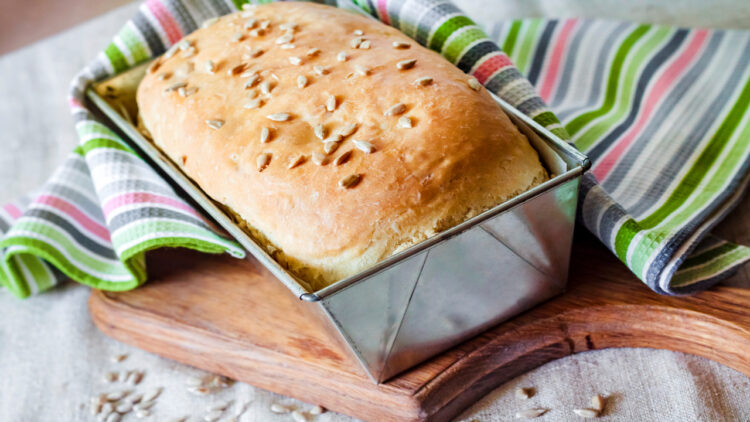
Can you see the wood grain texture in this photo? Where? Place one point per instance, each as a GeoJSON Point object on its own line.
{"type": "Point", "coordinates": [232, 317]}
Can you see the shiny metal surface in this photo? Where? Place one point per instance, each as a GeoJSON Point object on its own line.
{"type": "Point", "coordinates": [445, 289]}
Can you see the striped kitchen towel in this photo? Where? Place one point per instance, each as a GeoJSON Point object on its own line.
{"type": "Point", "coordinates": [623, 91]}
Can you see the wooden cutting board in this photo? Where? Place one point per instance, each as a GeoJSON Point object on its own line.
{"type": "Point", "coordinates": [231, 317]}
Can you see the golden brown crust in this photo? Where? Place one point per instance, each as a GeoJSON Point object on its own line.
{"type": "Point", "coordinates": [461, 156]}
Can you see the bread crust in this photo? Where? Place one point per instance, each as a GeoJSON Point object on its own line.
{"type": "Point", "coordinates": [461, 156]}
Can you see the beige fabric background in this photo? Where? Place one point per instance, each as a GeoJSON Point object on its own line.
{"type": "Point", "coordinates": [52, 358]}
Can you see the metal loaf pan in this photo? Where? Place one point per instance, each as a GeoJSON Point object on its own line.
{"type": "Point", "coordinates": [441, 291]}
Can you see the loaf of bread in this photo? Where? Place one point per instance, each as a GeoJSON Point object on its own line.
{"type": "Point", "coordinates": [337, 140]}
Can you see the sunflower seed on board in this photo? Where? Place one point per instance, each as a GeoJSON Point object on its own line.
{"type": "Point", "coordinates": [586, 413]}
{"type": "Point", "coordinates": [406, 64]}
{"type": "Point", "coordinates": [175, 86]}
{"type": "Point", "coordinates": [423, 81]}
{"type": "Point", "coordinates": [294, 162]}
{"type": "Point", "coordinates": [212, 416]}
{"type": "Point", "coordinates": [404, 123]}
{"type": "Point", "coordinates": [355, 42]}
{"type": "Point", "coordinates": [343, 158]}
{"type": "Point", "coordinates": [96, 404]}
{"type": "Point", "coordinates": [123, 407]}
{"type": "Point", "coordinates": [144, 405]}
{"type": "Point", "coordinates": [201, 391]}
{"type": "Point", "coordinates": [119, 357]}
{"type": "Point", "coordinates": [350, 181]}
{"type": "Point", "coordinates": [296, 61]}
{"type": "Point", "coordinates": [117, 395]}
{"type": "Point", "coordinates": [265, 135]}
{"type": "Point", "coordinates": [320, 70]}
{"type": "Point", "coordinates": [597, 402]}
{"type": "Point", "coordinates": [220, 405]}
{"type": "Point", "coordinates": [279, 117]}
{"type": "Point", "coordinates": [364, 45]}
{"type": "Point", "coordinates": [395, 110]}
{"type": "Point", "coordinates": [341, 56]}
{"type": "Point", "coordinates": [364, 146]}
{"type": "Point", "coordinates": [298, 416]}
{"type": "Point", "coordinates": [287, 46]}
{"type": "Point", "coordinates": [330, 146]}
{"type": "Point", "coordinates": [318, 158]}
{"type": "Point", "coordinates": [331, 103]}
{"type": "Point", "coordinates": [137, 376]}
{"type": "Point", "coordinates": [474, 84]}
{"type": "Point", "coordinates": [301, 81]}
{"type": "Point", "coordinates": [110, 377]}
{"type": "Point", "coordinates": [215, 123]}
{"type": "Point", "coordinates": [113, 417]}
{"type": "Point", "coordinates": [263, 160]}
{"type": "Point", "coordinates": [194, 381]}
{"type": "Point", "coordinates": [135, 398]}
{"type": "Point", "coordinates": [316, 410]}
{"type": "Point", "coordinates": [530, 413]}
{"type": "Point", "coordinates": [208, 22]}
{"type": "Point", "coordinates": [361, 69]}
{"type": "Point", "coordinates": [401, 45]}
{"type": "Point", "coordinates": [523, 393]}
{"type": "Point", "coordinates": [320, 131]}
{"type": "Point", "coordinates": [348, 129]}
{"type": "Point", "coordinates": [312, 52]}
{"type": "Point", "coordinates": [279, 409]}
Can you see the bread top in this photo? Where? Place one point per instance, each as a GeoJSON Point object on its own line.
{"type": "Point", "coordinates": [445, 154]}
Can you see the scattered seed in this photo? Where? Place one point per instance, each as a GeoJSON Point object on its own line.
{"type": "Point", "coordinates": [287, 46]}
{"type": "Point", "coordinates": [404, 123]}
{"type": "Point", "coordinates": [364, 146]}
{"type": "Point", "coordinates": [144, 405]}
{"type": "Point", "coordinates": [134, 399]}
{"type": "Point", "coordinates": [330, 146]}
{"type": "Point", "coordinates": [523, 393]}
{"type": "Point", "coordinates": [355, 42]}
{"type": "Point", "coordinates": [396, 109]}
{"type": "Point", "coordinates": [313, 52]}
{"type": "Point", "coordinates": [251, 82]}
{"type": "Point", "coordinates": [138, 375]}
{"type": "Point", "coordinates": [221, 405]}
{"type": "Point", "coordinates": [215, 123]}
{"type": "Point", "coordinates": [250, 23]}
{"type": "Point", "coordinates": [208, 22]}
{"type": "Point", "coordinates": [256, 32]}
{"type": "Point", "coordinates": [265, 23]}
{"type": "Point", "coordinates": [124, 407]}
{"type": "Point", "coordinates": [279, 117]}
{"type": "Point", "coordinates": [263, 160]}
{"type": "Point", "coordinates": [423, 81]}
{"type": "Point", "coordinates": [320, 70]}
{"type": "Point", "coordinates": [163, 76]}
{"type": "Point", "coordinates": [117, 395]}
{"type": "Point", "coordinates": [237, 69]}
{"type": "Point", "coordinates": [175, 86]}
{"type": "Point", "coordinates": [299, 416]}
{"type": "Point", "coordinates": [597, 402]}
{"type": "Point", "coordinates": [212, 416]}
{"type": "Point", "coordinates": [301, 81]}
{"type": "Point", "coordinates": [279, 409]}
{"type": "Point", "coordinates": [186, 92]}
{"type": "Point", "coordinates": [143, 413]}
{"type": "Point", "coordinates": [586, 413]}
{"type": "Point", "coordinates": [364, 45]}
{"type": "Point", "coordinates": [113, 417]}
{"type": "Point", "coordinates": [342, 57]}
{"type": "Point", "coordinates": [107, 408]}
{"type": "Point", "coordinates": [318, 158]}
{"type": "Point", "coordinates": [296, 61]}
{"type": "Point", "coordinates": [348, 129]}
{"type": "Point", "coordinates": [331, 103]}
{"type": "Point", "coordinates": [194, 381]}
{"type": "Point", "coordinates": [180, 419]}
{"type": "Point", "coordinates": [474, 84]}
{"type": "Point", "coordinates": [255, 52]}
{"type": "Point", "coordinates": [530, 413]}
{"type": "Point", "coordinates": [265, 135]}
{"type": "Point", "coordinates": [265, 87]}
{"type": "Point", "coordinates": [320, 131]}
{"type": "Point", "coordinates": [361, 70]}
{"type": "Point", "coordinates": [401, 44]}
{"type": "Point", "coordinates": [285, 39]}
{"type": "Point", "coordinates": [343, 158]}
{"type": "Point", "coordinates": [350, 181]}
{"type": "Point", "coordinates": [202, 391]}
{"type": "Point", "coordinates": [317, 410]}
{"type": "Point", "coordinates": [96, 404]}
{"type": "Point", "coordinates": [110, 377]}
{"type": "Point", "coordinates": [295, 161]}
{"type": "Point", "coordinates": [406, 64]}
{"type": "Point", "coordinates": [238, 36]}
